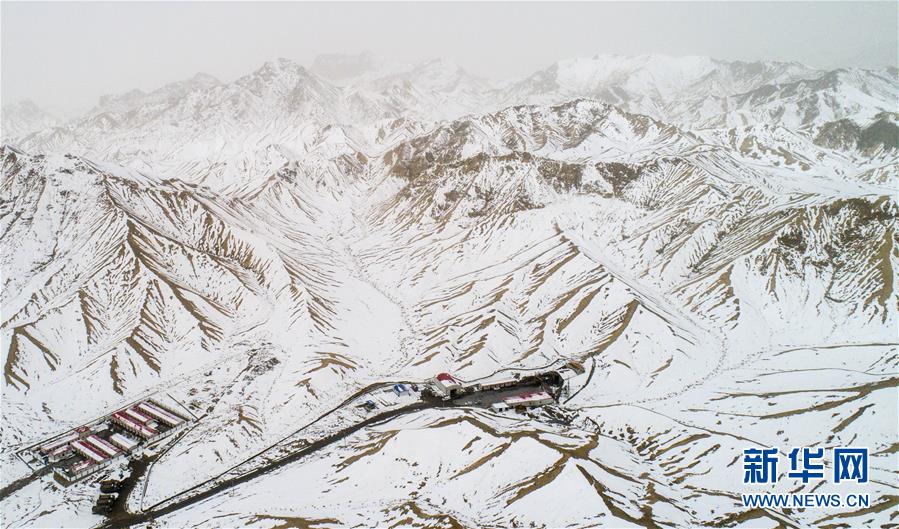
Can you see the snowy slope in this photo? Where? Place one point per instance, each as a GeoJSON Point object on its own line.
{"type": "Point", "coordinates": [273, 250]}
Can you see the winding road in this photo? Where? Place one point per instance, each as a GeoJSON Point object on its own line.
{"type": "Point", "coordinates": [131, 519]}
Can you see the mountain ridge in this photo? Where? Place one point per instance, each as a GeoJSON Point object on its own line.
{"type": "Point", "coordinates": [721, 265]}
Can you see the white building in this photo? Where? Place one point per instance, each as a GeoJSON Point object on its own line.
{"type": "Point", "coordinates": [529, 400]}
{"type": "Point", "coordinates": [444, 385]}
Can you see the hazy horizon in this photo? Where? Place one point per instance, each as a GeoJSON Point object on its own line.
{"type": "Point", "coordinates": [95, 49]}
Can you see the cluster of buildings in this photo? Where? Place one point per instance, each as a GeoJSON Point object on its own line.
{"type": "Point", "coordinates": [514, 391]}
{"type": "Point", "coordinates": [91, 447]}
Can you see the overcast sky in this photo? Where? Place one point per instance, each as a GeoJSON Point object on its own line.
{"type": "Point", "coordinates": [65, 55]}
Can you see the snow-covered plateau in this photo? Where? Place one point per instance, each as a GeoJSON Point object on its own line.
{"type": "Point", "coordinates": [716, 243]}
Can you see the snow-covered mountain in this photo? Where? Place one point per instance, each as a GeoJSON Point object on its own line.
{"type": "Point", "coordinates": [190, 128]}
{"type": "Point", "coordinates": [661, 86]}
{"type": "Point", "coordinates": [699, 92]}
{"type": "Point", "coordinates": [857, 95]}
{"type": "Point", "coordinates": [716, 243]}
{"type": "Point", "coordinates": [182, 129]}
{"type": "Point", "coordinates": [24, 117]}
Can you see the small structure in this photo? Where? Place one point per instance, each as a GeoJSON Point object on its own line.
{"type": "Point", "coordinates": [131, 424]}
{"type": "Point", "coordinates": [400, 390]}
{"type": "Point", "coordinates": [499, 384]}
{"type": "Point", "coordinates": [90, 451]}
{"type": "Point", "coordinates": [105, 503]}
{"type": "Point", "coordinates": [445, 386]}
{"type": "Point", "coordinates": [60, 453]}
{"type": "Point", "coordinates": [123, 441]}
{"type": "Point", "coordinates": [529, 400]}
{"type": "Point", "coordinates": [60, 442]}
{"type": "Point", "coordinates": [162, 415]}
{"type": "Point", "coordinates": [110, 485]}
{"type": "Point", "coordinates": [447, 380]}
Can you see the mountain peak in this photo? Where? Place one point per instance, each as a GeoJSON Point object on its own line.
{"type": "Point", "coordinates": [278, 76]}
{"type": "Point", "coordinates": [281, 65]}
{"type": "Point", "coordinates": [278, 71]}
{"type": "Point", "coordinates": [204, 79]}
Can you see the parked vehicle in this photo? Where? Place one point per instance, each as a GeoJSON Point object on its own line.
{"type": "Point", "coordinates": [110, 486]}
